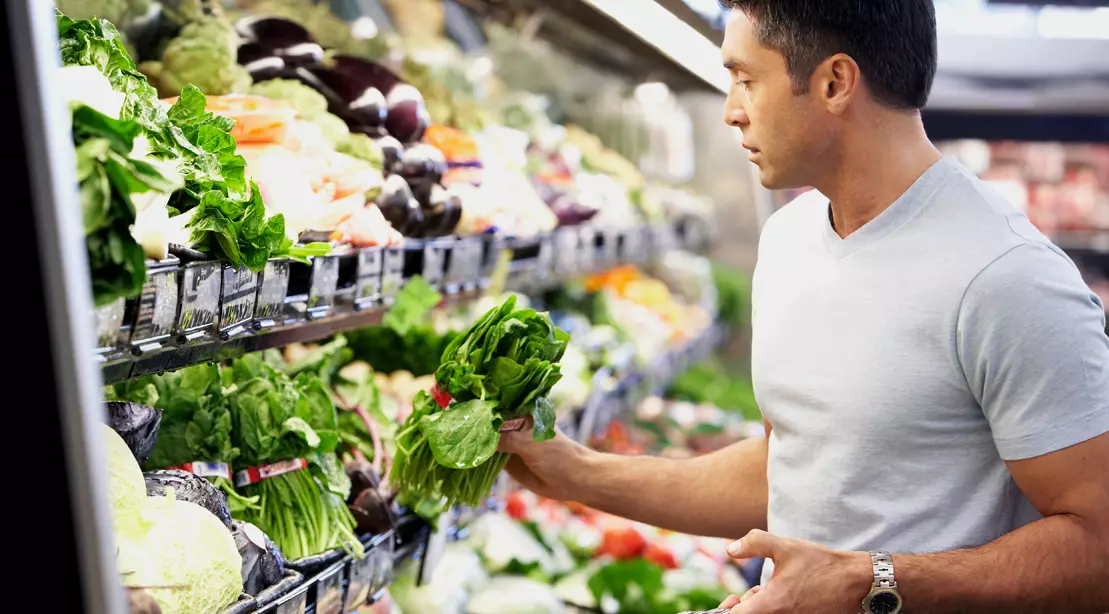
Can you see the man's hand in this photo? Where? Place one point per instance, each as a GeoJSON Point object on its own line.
{"type": "Point", "coordinates": [548, 469]}
{"type": "Point", "coordinates": [807, 577]}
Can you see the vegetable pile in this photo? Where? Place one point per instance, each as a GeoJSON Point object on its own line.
{"type": "Point", "coordinates": [152, 175]}
{"type": "Point", "coordinates": [502, 368]}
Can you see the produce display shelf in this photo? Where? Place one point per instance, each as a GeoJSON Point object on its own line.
{"type": "Point", "coordinates": [1083, 241]}
{"type": "Point", "coordinates": [194, 312]}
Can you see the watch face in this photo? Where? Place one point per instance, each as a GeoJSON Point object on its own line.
{"type": "Point", "coordinates": [884, 603]}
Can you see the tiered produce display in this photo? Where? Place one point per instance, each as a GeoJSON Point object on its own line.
{"type": "Point", "coordinates": [325, 281]}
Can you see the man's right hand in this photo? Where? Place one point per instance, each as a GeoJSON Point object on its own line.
{"type": "Point", "coordinates": [550, 468]}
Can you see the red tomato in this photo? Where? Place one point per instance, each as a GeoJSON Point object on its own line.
{"type": "Point", "coordinates": [622, 543]}
{"type": "Point", "coordinates": [516, 507]}
{"type": "Point", "coordinates": [660, 556]}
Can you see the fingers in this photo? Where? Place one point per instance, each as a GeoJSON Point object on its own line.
{"type": "Point", "coordinates": [729, 603]}
{"type": "Point", "coordinates": [756, 544]}
{"type": "Point", "coordinates": [750, 593]}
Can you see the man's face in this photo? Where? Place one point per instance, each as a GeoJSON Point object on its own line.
{"type": "Point", "coordinates": [783, 132]}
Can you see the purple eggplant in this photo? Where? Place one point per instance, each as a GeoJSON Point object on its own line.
{"type": "Point", "coordinates": [286, 39]}
{"type": "Point", "coordinates": [442, 212]}
{"type": "Point", "coordinates": [570, 212]}
{"type": "Point", "coordinates": [399, 206]}
{"type": "Point", "coordinates": [422, 166]}
{"type": "Point", "coordinates": [358, 104]}
{"type": "Point", "coordinates": [408, 117]}
{"type": "Point", "coordinates": [367, 73]}
{"type": "Point", "coordinates": [260, 61]}
{"type": "Point", "coordinates": [393, 152]}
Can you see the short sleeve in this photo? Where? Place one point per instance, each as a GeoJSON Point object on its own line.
{"type": "Point", "coordinates": [1032, 344]}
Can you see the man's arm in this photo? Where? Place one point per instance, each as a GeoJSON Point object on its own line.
{"type": "Point", "coordinates": [723, 494]}
{"type": "Point", "coordinates": [1057, 564]}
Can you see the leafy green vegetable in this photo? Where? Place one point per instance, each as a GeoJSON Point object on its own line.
{"type": "Point", "coordinates": [205, 54]}
{"type": "Point", "coordinates": [637, 586]}
{"type": "Point", "coordinates": [500, 369]}
{"type": "Point", "coordinates": [411, 305]}
{"type": "Point", "coordinates": [107, 177]}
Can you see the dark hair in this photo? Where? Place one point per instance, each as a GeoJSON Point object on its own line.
{"type": "Point", "coordinates": [893, 41]}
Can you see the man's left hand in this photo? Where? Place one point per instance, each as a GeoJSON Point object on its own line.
{"type": "Point", "coordinates": [807, 577]}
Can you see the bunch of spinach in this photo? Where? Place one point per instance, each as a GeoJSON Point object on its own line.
{"type": "Point", "coordinates": [277, 418]}
{"type": "Point", "coordinates": [500, 369]}
{"type": "Point", "coordinates": [107, 176]}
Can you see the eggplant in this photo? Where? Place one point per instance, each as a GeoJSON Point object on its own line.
{"type": "Point", "coordinates": [408, 117]}
{"type": "Point", "coordinates": [423, 166]}
{"type": "Point", "coordinates": [359, 104]}
{"type": "Point", "coordinates": [442, 212]}
{"type": "Point", "coordinates": [367, 73]}
{"type": "Point", "coordinates": [393, 151]}
{"type": "Point", "coordinates": [285, 39]}
{"type": "Point", "coordinates": [136, 424]}
{"type": "Point", "coordinates": [189, 487]}
{"type": "Point", "coordinates": [399, 206]}
{"type": "Point", "coordinates": [260, 61]}
{"type": "Point", "coordinates": [570, 212]}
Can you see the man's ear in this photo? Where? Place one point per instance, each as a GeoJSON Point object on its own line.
{"type": "Point", "coordinates": [836, 82]}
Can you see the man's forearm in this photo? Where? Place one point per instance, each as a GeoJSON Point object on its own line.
{"type": "Point", "coordinates": [723, 494]}
{"type": "Point", "coordinates": [1053, 566]}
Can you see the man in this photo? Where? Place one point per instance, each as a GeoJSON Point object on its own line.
{"type": "Point", "coordinates": [933, 372]}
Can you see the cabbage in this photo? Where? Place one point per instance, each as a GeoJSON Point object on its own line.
{"type": "Point", "coordinates": [185, 545]}
{"type": "Point", "coordinates": [515, 595]}
{"type": "Point", "coordinates": [126, 485]}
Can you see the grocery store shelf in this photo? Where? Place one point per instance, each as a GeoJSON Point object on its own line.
{"type": "Point", "coordinates": [614, 395]}
{"type": "Point", "coordinates": [196, 312]}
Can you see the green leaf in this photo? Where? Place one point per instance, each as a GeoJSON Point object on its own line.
{"type": "Point", "coordinates": [463, 436]}
{"type": "Point", "coordinates": [543, 415]}
{"type": "Point", "coordinates": [412, 304]}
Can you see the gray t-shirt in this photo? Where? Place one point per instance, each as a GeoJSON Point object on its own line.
{"type": "Point", "coordinates": [901, 366]}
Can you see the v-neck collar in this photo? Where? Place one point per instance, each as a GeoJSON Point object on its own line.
{"type": "Point", "coordinates": [892, 217]}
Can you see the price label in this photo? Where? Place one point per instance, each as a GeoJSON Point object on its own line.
{"type": "Point", "coordinates": [272, 290]}
{"type": "Point", "coordinates": [329, 593]}
{"type": "Point", "coordinates": [435, 263]}
{"type": "Point", "coordinates": [367, 292]}
{"type": "Point", "coordinates": [294, 604]}
{"type": "Point", "coordinates": [544, 267]}
{"type": "Point", "coordinates": [633, 247]}
{"type": "Point", "coordinates": [587, 253]}
{"type": "Point", "coordinates": [610, 249]}
{"type": "Point", "coordinates": [566, 254]}
{"type": "Point", "coordinates": [383, 569]}
{"type": "Point", "coordinates": [360, 584]}
{"type": "Point", "coordinates": [325, 279]}
{"type": "Point", "coordinates": [465, 262]}
{"type": "Point", "coordinates": [109, 325]}
{"type": "Point", "coordinates": [157, 310]}
{"type": "Point", "coordinates": [392, 273]}
{"type": "Point", "coordinates": [200, 293]}
{"type": "Point", "coordinates": [433, 552]}
{"type": "Point", "coordinates": [663, 239]}
{"type": "Point", "coordinates": [240, 292]}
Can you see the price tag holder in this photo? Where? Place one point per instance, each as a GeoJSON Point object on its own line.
{"type": "Point", "coordinates": [610, 248]}
{"type": "Point", "coordinates": [465, 263]}
{"type": "Point", "coordinates": [587, 252]}
{"type": "Point", "coordinates": [273, 287]}
{"type": "Point", "coordinates": [200, 294]}
{"type": "Point", "coordinates": [383, 568]}
{"type": "Point", "coordinates": [544, 268]}
{"type": "Point", "coordinates": [663, 239]}
{"type": "Point", "coordinates": [296, 603]}
{"type": "Point", "coordinates": [435, 262]}
{"type": "Point", "coordinates": [633, 250]}
{"type": "Point", "coordinates": [325, 280]}
{"type": "Point", "coordinates": [109, 327]}
{"type": "Point", "coordinates": [392, 273]}
{"type": "Point", "coordinates": [367, 291]}
{"type": "Point", "coordinates": [566, 256]}
{"type": "Point", "coordinates": [156, 311]}
{"type": "Point", "coordinates": [433, 552]}
{"type": "Point", "coordinates": [360, 581]}
{"type": "Point", "coordinates": [329, 593]}
{"type": "Point", "coordinates": [239, 295]}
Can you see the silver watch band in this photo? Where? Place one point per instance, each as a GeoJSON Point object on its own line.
{"type": "Point", "coordinates": [883, 570]}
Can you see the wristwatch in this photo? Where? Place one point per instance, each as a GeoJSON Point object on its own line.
{"type": "Point", "coordinates": [884, 598]}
